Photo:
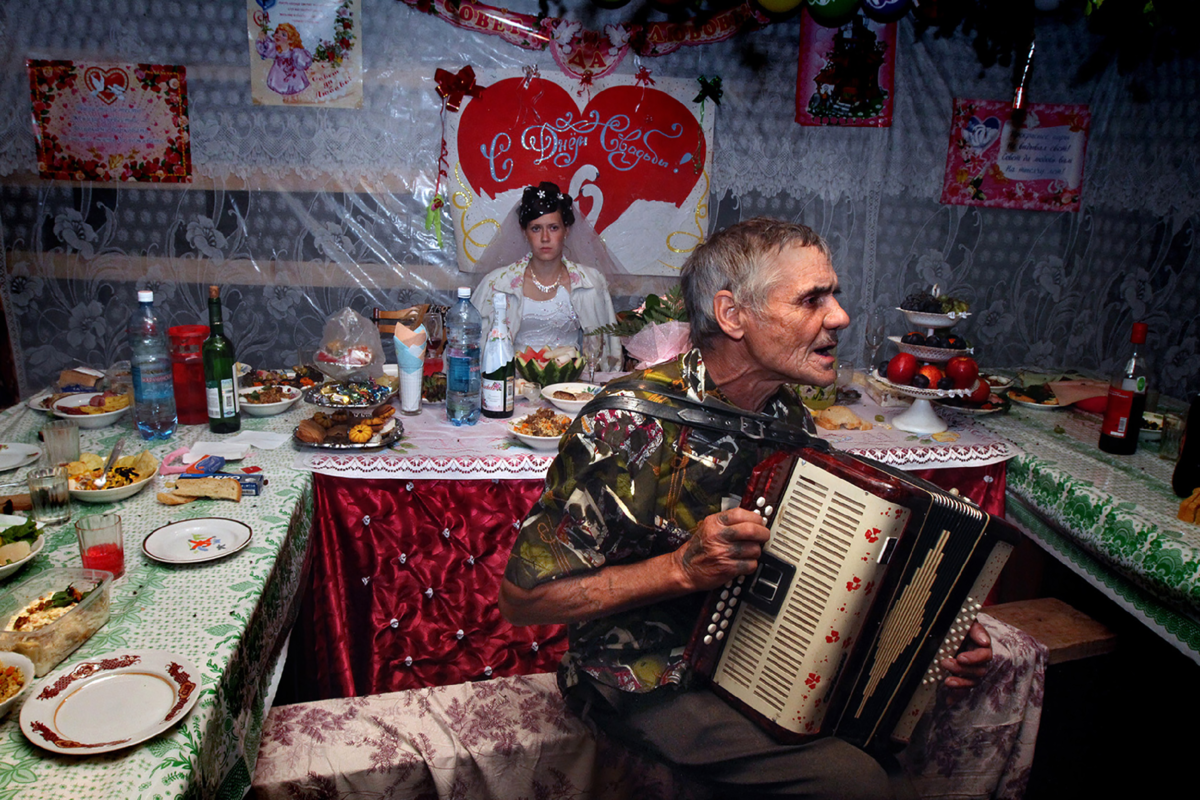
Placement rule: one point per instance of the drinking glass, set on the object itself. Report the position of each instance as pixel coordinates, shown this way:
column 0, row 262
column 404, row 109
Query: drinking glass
column 61, row 440
column 876, row 328
column 49, row 495
column 593, row 346
column 101, row 543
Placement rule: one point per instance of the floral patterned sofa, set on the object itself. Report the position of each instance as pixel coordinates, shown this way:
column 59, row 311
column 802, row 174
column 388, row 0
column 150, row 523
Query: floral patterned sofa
column 514, row 738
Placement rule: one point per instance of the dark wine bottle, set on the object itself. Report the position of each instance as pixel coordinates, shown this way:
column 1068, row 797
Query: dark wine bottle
column 1126, row 399
column 1187, row 469
column 223, row 413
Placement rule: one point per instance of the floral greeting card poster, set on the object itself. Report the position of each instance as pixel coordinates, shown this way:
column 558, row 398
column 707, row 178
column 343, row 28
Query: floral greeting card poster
column 305, row 52
column 1035, row 163
column 110, row 122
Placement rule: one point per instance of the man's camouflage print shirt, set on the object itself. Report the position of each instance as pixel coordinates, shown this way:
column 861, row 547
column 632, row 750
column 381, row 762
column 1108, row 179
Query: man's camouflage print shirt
column 624, row 488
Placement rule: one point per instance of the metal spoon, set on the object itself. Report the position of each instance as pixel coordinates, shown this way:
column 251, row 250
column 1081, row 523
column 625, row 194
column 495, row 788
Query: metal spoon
column 100, row 482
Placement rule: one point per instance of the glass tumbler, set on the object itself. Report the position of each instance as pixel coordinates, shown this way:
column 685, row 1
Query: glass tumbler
column 101, row 543
column 49, row 495
column 60, row 438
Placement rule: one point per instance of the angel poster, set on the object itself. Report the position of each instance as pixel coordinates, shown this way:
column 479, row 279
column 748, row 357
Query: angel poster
column 305, row 52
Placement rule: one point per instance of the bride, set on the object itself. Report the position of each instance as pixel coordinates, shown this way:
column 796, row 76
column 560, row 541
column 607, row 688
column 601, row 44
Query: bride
column 552, row 300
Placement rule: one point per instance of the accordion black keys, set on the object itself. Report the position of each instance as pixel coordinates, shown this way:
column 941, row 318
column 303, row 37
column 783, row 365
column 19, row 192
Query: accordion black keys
column 871, row 576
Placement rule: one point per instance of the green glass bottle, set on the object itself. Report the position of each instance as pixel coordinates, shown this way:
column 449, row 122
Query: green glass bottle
column 219, row 380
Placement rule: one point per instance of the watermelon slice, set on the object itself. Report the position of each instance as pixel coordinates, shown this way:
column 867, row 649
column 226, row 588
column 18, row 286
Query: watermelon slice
column 545, row 367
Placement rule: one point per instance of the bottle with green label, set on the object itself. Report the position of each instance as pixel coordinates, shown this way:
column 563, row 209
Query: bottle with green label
column 223, row 413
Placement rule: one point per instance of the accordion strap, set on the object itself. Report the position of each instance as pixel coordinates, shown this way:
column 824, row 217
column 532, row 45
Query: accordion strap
column 709, row 415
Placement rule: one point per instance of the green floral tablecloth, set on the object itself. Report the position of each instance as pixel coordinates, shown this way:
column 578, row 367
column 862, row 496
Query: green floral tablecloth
column 1118, row 509
column 230, row 617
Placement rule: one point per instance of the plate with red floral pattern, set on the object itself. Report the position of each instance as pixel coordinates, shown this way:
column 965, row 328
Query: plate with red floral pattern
column 110, row 702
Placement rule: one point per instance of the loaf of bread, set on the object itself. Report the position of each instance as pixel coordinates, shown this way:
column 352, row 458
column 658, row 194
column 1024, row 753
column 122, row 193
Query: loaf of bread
column 1189, row 509
column 216, row 488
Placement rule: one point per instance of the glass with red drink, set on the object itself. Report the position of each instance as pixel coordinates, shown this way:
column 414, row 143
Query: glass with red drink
column 101, row 543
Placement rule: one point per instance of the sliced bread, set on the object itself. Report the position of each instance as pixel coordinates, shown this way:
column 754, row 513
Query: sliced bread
column 216, row 488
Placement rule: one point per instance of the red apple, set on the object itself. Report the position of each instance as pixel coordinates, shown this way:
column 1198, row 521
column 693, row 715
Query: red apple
column 933, row 373
column 902, row 368
column 963, row 370
column 981, row 392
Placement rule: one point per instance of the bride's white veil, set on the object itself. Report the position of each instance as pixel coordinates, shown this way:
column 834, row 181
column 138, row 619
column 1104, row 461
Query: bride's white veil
column 583, row 246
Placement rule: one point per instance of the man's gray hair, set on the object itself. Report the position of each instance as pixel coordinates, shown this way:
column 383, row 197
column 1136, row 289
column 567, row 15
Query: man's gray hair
column 741, row 260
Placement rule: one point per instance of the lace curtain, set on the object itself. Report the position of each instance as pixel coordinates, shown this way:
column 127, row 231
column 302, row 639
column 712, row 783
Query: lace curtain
column 300, row 212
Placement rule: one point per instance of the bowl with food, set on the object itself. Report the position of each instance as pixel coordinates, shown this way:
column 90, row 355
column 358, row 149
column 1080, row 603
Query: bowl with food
column 570, row 397
column 1152, row 427
column 540, row 430
column 128, row 476
column 91, row 410
column 16, row 676
column 267, row 401
column 46, row 617
column 20, row 542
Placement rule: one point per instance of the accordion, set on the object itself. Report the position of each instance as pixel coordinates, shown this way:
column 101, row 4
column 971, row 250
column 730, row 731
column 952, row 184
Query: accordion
column 870, row 577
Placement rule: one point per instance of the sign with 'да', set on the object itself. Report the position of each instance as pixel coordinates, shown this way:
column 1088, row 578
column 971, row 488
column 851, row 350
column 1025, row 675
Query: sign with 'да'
column 636, row 158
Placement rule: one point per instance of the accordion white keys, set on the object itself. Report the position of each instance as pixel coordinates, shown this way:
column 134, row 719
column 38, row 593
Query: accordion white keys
column 870, row 577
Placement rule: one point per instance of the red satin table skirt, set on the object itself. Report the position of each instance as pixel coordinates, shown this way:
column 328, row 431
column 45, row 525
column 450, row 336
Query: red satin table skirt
column 403, row 587
column 404, row 578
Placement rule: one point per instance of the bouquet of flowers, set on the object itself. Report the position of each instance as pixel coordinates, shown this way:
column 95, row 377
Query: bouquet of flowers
column 655, row 331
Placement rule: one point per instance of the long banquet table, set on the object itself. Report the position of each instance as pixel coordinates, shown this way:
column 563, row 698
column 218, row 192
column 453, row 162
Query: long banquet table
column 231, row 617
column 1110, row 519
column 409, row 545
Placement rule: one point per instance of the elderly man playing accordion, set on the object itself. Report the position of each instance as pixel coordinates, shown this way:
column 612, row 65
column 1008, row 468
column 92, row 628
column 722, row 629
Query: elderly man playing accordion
column 630, row 532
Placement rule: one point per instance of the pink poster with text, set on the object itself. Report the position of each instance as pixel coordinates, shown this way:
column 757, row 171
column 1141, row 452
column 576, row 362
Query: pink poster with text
column 110, row 122
column 1035, row 163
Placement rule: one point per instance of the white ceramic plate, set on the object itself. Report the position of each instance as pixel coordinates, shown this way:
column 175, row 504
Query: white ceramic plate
column 291, row 395
column 535, row 442
column 7, row 521
column 14, row 456
column 923, row 319
column 86, row 421
column 569, row 406
column 40, row 402
column 110, row 702
column 25, row 666
column 921, row 394
column 192, row 541
column 110, row 495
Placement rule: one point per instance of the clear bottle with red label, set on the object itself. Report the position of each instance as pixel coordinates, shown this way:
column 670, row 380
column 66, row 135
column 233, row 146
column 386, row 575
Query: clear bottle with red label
column 1127, row 399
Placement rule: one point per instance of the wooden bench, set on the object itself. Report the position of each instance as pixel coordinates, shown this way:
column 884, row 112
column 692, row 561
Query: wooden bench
column 1068, row 634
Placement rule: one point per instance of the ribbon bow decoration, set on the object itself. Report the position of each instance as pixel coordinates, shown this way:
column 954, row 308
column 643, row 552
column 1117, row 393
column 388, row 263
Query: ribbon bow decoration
column 710, row 89
column 454, row 87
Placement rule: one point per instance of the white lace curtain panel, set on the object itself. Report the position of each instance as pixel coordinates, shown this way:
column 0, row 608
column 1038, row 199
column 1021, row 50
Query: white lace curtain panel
column 306, row 210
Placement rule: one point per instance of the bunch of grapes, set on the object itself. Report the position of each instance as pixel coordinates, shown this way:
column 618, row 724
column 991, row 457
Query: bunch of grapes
column 923, row 302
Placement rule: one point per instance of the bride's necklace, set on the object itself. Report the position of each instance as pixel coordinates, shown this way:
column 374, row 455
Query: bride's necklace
column 543, row 287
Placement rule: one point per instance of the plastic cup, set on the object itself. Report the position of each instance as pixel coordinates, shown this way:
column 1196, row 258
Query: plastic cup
column 49, row 495
column 60, row 440
column 187, row 373
column 101, row 543
column 410, row 391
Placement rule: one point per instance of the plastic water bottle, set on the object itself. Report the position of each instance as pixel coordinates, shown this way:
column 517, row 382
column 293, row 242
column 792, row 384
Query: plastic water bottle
column 153, row 394
column 463, row 329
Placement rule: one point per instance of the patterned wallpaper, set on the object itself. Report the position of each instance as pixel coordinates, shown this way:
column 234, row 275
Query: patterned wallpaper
column 316, row 231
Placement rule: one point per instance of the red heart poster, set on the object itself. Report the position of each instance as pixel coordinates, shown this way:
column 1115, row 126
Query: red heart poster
column 636, row 158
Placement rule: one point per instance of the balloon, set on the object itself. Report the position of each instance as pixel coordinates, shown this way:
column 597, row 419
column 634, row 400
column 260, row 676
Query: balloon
column 885, row 10
column 779, row 6
column 832, row 13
